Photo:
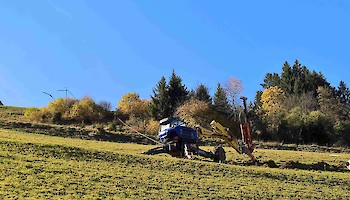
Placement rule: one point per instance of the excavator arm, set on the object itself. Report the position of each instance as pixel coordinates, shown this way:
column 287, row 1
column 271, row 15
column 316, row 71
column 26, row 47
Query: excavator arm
column 219, row 131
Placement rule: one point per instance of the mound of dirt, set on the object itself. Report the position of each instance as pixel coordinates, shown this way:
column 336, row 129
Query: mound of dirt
column 324, row 166
column 271, row 164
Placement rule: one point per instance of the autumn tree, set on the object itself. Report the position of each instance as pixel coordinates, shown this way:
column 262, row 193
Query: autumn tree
column 85, row 110
column 195, row 112
column 131, row 104
column 272, row 106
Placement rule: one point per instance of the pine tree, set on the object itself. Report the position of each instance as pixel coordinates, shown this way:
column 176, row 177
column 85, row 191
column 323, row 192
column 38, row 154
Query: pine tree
column 177, row 92
column 202, row 94
column 286, row 78
column 343, row 93
column 271, row 80
column 221, row 104
column 160, row 101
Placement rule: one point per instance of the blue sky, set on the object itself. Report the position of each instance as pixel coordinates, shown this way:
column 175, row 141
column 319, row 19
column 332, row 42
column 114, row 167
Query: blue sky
column 105, row 49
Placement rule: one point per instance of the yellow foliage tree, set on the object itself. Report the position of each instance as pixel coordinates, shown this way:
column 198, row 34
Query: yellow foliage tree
column 272, row 100
column 132, row 105
column 85, row 110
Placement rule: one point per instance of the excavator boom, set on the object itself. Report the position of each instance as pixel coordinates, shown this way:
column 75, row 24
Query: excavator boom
column 219, row 131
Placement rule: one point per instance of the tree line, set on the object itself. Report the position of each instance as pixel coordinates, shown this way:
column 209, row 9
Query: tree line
column 300, row 106
column 294, row 106
column 173, row 99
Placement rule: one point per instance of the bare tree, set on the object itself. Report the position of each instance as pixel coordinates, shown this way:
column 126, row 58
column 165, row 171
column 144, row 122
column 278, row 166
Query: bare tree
column 233, row 89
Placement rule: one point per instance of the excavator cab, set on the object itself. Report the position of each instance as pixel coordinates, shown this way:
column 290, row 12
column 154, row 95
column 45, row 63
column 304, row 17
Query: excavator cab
column 174, row 129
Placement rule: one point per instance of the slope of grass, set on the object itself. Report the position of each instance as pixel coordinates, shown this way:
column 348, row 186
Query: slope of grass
column 12, row 113
column 40, row 166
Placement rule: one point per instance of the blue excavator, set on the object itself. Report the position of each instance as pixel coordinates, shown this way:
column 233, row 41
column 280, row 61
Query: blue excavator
column 180, row 140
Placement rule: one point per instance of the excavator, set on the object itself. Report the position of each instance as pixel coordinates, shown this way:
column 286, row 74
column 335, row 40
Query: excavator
column 180, row 140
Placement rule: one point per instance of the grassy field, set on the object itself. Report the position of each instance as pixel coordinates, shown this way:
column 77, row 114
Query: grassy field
column 40, row 166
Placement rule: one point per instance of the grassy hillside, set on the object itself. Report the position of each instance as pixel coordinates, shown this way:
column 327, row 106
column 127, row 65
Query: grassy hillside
column 10, row 113
column 40, row 166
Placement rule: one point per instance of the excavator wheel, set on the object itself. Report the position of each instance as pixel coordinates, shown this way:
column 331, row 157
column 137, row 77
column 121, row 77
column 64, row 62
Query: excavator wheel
column 219, row 155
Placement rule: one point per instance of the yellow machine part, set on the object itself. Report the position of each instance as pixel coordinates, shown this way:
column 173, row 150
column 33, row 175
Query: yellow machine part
column 219, row 131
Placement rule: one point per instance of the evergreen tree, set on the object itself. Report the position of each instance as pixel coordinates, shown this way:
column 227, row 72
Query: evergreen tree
column 317, row 80
column 177, row 92
column 286, row 78
column 343, row 93
column 160, row 101
column 221, row 104
column 191, row 94
column 271, row 80
column 202, row 94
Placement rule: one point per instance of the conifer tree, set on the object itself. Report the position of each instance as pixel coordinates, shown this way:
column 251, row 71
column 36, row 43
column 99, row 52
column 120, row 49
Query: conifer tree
column 202, row 94
column 271, row 80
column 221, row 104
column 343, row 93
column 177, row 92
column 160, row 101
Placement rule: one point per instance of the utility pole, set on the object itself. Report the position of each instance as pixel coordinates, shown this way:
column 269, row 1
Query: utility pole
column 65, row 90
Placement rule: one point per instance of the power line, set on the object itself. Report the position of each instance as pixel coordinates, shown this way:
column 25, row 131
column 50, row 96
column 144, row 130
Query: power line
column 49, row 95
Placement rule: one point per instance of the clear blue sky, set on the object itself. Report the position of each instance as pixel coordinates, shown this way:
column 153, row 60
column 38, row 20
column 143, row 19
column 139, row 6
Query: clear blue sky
column 105, row 49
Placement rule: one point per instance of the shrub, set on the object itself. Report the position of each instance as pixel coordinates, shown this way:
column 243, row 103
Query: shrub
column 301, row 126
column 137, row 124
column 112, row 126
column 33, row 114
column 152, row 127
column 84, row 111
column 195, row 112
column 132, row 105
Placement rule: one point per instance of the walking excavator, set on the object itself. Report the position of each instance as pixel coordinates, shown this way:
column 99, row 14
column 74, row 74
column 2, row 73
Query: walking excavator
column 180, row 140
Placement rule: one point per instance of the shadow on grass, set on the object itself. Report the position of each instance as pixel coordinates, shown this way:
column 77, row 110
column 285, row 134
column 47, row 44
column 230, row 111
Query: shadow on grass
column 320, row 166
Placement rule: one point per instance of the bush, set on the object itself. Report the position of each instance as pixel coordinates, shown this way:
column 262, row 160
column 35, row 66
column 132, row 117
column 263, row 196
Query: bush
column 195, row 112
column 137, row 124
column 85, row 111
column 152, row 127
column 33, row 114
column 60, row 109
column 301, row 126
column 112, row 126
